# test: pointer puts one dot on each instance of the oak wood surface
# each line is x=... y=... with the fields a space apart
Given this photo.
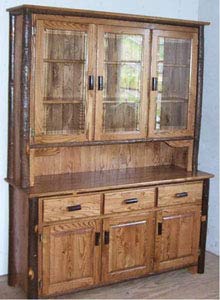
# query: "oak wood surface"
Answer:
x=130 y=248
x=107 y=180
x=177 y=245
x=56 y=209
x=116 y=201
x=70 y=256
x=51 y=161
x=168 y=195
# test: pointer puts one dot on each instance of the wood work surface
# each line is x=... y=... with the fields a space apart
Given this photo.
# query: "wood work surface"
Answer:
x=104 y=180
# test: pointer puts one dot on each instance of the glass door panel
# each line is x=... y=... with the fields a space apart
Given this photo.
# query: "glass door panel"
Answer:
x=64 y=92
x=123 y=98
x=172 y=97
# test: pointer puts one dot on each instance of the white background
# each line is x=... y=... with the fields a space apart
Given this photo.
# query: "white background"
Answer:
x=184 y=9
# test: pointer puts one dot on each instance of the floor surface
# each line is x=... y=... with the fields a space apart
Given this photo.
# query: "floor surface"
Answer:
x=172 y=285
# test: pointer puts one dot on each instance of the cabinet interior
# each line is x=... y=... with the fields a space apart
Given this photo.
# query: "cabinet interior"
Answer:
x=71 y=160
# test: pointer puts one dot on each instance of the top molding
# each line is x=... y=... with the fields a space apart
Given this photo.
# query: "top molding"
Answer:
x=101 y=14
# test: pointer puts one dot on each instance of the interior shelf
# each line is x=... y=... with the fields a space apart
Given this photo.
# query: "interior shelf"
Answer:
x=111 y=179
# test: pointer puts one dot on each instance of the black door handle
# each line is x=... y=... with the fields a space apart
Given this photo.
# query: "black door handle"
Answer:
x=100 y=83
x=154 y=83
x=74 y=207
x=159 y=228
x=91 y=82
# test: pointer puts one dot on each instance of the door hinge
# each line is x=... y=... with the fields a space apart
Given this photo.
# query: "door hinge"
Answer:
x=32 y=132
x=34 y=30
x=199 y=251
x=40 y=237
x=40 y=284
x=97 y=238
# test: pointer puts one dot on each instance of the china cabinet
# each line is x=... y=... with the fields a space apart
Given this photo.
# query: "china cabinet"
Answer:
x=104 y=124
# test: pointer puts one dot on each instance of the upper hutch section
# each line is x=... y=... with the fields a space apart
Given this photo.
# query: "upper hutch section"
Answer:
x=92 y=92
x=108 y=77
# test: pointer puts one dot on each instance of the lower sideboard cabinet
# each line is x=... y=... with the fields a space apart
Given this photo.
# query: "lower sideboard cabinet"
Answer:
x=81 y=247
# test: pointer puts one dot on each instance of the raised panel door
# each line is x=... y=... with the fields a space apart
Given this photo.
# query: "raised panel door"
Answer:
x=122 y=79
x=63 y=97
x=177 y=237
x=71 y=256
x=173 y=83
x=128 y=247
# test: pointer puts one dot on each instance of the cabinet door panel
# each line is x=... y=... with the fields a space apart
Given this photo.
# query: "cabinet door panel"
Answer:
x=172 y=107
x=177 y=244
x=129 y=250
x=70 y=257
x=63 y=103
x=121 y=108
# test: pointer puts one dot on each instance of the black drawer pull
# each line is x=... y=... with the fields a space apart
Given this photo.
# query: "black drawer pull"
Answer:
x=91 y=82
x=130 y=201
x=181 y=195
x=154 y=83
x=74 y=207
x=159 y=228
x=100 y=83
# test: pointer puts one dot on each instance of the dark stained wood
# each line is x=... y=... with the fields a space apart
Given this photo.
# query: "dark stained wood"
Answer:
x=94 y=143
x=25 y=99
x=33 y=249
x=12 y=276
x=106 y=15
x=18 y=238
x=203 y=230
x=10 y=170
x=112 y=179
x=17 y=97
x=198 y=115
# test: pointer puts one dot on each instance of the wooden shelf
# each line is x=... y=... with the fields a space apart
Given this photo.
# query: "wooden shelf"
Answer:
x=111 y=179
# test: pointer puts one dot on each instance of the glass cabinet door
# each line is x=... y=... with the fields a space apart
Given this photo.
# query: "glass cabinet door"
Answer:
x=173 y=86
x=121 y=108
x=63 y=99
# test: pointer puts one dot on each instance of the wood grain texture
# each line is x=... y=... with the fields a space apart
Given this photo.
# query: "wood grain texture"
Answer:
x=11 y=100
x=116 y=201
x=199 y=93
x=178 y=284
x=203 y=231
x=56 y=208
x=70 y=257
x=113 y=179
x=127 y=237
x=51 y=161
x=168 y=195
x=178 y=243
x=25 y=98
x=18 y=238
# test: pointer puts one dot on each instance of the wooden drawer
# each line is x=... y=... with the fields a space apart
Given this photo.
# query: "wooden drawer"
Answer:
x=180 y=193
x=129 y=200
x=64 y=208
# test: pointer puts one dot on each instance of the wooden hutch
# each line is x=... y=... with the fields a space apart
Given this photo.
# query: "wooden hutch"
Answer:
x=104 y=125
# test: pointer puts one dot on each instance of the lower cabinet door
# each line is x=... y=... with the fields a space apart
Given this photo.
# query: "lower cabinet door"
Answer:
x=177 y=237
x=71 y=256
x=127 y=247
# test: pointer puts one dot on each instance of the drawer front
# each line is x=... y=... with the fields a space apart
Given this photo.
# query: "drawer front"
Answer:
x=129 y=200
x=64 y=208
x=180 y=194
